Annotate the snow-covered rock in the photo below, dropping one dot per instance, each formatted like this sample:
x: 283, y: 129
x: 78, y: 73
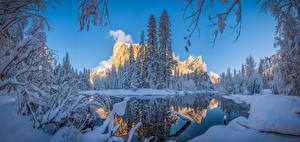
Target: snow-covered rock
x: 231, y: 133
x: 271, y: 118
x: 272, y: 113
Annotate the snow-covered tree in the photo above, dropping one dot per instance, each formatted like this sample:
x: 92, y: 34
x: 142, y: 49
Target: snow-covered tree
x: 243, y: 72
x: 25, y: 63
x: 131, y: 62
x: 84, y: 80
x: 136, y: 79
x: 250, y: 66
x: 93, y: 12
x: 247, y: 80
x: 144, y: 61
x: 165, y: 47
x: 287, y: 15
x: 254, y: 84
x: 153, y: 66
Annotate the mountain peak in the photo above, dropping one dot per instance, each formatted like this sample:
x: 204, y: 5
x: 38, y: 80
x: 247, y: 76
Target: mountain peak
x: 121, y: 55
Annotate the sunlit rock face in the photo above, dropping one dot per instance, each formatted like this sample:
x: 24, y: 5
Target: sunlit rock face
x: 121, y: 55
x: 191, y: 64
x: 214, y: 77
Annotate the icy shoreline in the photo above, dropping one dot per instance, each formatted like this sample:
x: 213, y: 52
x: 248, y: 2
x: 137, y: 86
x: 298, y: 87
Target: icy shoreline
x: 143, y: 92
x: 272, y: 118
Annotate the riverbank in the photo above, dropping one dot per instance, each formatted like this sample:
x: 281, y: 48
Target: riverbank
x: 273, y: 118
x: 143, y: 92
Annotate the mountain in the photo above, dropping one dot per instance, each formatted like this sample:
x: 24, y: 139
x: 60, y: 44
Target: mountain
x: 121, y: 55
x: 214, y: 77
x: 190, y: 65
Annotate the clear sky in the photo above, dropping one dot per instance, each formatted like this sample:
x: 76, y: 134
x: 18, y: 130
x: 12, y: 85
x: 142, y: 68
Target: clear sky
x: 88, y: 48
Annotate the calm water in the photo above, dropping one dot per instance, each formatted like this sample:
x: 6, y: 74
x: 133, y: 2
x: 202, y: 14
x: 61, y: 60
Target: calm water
x: 206, y: 110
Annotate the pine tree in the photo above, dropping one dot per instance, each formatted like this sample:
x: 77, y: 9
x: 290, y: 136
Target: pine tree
x: 153, y: 64
x: 234, y: 73
x: 166, y: 60
x: 250, y: 66
x: 144, y: 61
x: 243, y: 71
x: 137, y: 80
x: 83, y: 80
x: 66, y: 63
x: 131, y: 65
x: 67, y: 70
x: 260, y: 67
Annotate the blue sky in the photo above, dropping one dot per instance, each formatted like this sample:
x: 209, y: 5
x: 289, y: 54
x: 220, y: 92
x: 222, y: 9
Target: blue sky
x: 88, y: 48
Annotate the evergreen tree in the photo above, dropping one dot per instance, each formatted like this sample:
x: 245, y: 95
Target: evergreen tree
x: 234, y: 73
x: 260, y: 67
x: 136, y: 80
x: 153, y: 63
x: 131, y: 64
x: 67, y: 70
x: 166, y: 60
x: 254, y: 84
x: 243, y: 71
x: 250, y: 66
x: 66, y: 63
x: 83, y: 80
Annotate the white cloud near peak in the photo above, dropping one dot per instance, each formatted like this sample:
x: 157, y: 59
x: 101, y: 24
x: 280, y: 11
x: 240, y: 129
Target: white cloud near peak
x: 120, y: 36
x: 103, y: 65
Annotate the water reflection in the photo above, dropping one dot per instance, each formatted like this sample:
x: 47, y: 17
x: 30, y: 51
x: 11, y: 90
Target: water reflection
x: 205, y: 110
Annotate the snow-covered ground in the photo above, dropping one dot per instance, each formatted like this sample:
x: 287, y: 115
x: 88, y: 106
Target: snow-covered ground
x: 271, y: 118
x: 141, y: 92
x: 14, y: 127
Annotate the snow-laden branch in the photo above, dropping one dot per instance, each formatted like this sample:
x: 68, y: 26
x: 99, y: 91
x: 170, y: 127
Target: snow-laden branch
x: 175, y: 113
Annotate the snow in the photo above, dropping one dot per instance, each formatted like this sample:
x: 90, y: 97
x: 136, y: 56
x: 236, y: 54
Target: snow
x: 230, y: 133
x: 297, y: 38
x: 15, y: 127
x: 98, y: 134
x: 119, y: 108
x: 5, y: 100
x: 148, y: 139
x: 132, y: 131
x: 272, y: 113
x: 141, y: 92
x: 271, y: 118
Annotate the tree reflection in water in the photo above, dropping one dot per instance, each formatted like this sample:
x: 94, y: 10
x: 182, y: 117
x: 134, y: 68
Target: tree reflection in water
x: 156, y: 121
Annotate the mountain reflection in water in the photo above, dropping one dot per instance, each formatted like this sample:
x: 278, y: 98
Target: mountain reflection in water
x: 206, y: 110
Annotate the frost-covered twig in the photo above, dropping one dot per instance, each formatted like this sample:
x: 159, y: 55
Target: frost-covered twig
x: 132, y: 131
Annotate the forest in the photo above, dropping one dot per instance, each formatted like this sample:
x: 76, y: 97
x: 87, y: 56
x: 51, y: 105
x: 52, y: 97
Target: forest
x: 45, y: 99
